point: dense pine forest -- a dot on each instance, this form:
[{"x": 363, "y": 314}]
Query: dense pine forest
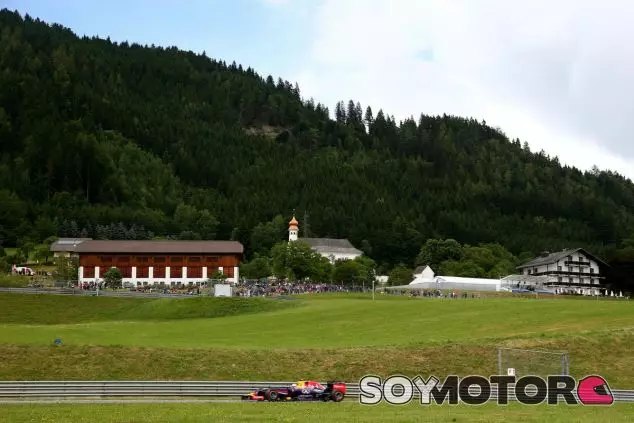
[{"x": 121, "y": 141}]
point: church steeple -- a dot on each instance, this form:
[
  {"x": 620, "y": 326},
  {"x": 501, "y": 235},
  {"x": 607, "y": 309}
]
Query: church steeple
[{"x": 293, "y": 229}]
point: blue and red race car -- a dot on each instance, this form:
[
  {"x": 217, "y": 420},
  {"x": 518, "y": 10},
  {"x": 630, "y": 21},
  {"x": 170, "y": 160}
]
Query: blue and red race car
[{"x": 301, "y": 391}]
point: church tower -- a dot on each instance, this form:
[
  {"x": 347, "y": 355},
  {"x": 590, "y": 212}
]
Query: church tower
[{"x": 293, "y": 230}]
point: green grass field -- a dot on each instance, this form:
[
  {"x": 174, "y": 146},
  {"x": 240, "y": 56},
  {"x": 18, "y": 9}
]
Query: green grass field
[
  {"x": 314, "y": 336},
  {"x": 282, "y": 324},
  {"x": 343, "y": 412}
]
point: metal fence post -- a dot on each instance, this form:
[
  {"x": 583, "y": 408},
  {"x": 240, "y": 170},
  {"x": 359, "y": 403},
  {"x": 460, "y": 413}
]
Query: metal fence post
[{"x": 500, "y": 361}]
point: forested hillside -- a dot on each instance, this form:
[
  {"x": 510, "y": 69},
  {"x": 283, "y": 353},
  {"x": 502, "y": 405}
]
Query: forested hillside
[{"x": 127, "y": 141}]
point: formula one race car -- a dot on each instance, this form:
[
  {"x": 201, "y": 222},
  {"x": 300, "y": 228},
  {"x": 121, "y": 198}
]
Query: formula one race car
[{"x": 301, "y": 391}]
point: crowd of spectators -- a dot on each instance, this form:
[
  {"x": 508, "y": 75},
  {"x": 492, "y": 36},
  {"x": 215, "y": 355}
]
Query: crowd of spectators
[{"x": 267, "y": 288}]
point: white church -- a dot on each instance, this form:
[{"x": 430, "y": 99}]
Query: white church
[{"x": 331, "y": 248}]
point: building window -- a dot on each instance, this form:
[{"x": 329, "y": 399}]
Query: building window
[
  {"x": 124, "y": 259},
  {"x": 176, "y": 259},
  {"x": 89, "y": 272},
  {"x": 106, "y": 259},
  {"x": 212, "y": 259},
  {"x": 559, "y": 268},
  {"x": 592, "y": 270},
  {"x": 570, "y": 280},
  {"x": 126, "y": 271},
  {"x": 559, "y": 279},
  {"x": 195, "y": 272},
  {"x": 159, "y": 259},
  {"x": 143, "y": 259},
  {"x": 143, "y": 272},
  {"x": 194, "y": 260},
  {"x": 158, "y": 272},
  {"x": 176, "y": 272}
]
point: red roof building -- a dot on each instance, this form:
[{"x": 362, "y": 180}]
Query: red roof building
[{"x": 153, "y": 262}]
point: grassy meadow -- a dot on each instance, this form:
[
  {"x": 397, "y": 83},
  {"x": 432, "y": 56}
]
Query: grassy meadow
[
  {"x": 345, "y": 411},
  {"x": 321, "y": 336},
  {"x": 274, "y": 324}
]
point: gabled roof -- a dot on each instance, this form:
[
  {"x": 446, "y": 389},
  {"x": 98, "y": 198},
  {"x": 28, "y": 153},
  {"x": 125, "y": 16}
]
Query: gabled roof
[
  {"x": 160, "y": 247},
  {"x": 420, "y": 269},
  {"x": 331, "y": 245},
  {"x": 555, "y": 257},
  {"x": 67, "y": 244}
]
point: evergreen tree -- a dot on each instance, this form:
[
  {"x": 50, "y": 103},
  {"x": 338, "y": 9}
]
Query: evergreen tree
[{"x": 219, "y": 151}]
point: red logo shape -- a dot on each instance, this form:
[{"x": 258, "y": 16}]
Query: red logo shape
[{"x": 594, "y": 390}]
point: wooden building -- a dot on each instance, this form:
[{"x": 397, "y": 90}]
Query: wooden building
[{"x": 153, "y": 262}]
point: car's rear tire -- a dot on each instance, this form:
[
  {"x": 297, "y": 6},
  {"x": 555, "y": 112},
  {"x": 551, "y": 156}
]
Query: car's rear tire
[{"x": 337, "y": 396}]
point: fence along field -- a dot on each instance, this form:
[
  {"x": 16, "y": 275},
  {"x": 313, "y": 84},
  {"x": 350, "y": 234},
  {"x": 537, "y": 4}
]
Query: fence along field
[{"x": 524, "y": 362}]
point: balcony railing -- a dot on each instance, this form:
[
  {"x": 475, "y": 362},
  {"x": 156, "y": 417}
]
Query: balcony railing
[
  {"x": 576, "y": 263},
  {"x": 579, "y": 284},
  {"x": 568, "y": 274}
]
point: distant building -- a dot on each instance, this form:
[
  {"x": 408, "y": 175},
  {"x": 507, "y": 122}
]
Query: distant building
[
  {"x": 573, "y": 270},
  {"x": 66, "y": 247},
  {"x": 331, "y": 248},
  {"x": 382, "y": 279},
  {"x": 151, "y": 262}
]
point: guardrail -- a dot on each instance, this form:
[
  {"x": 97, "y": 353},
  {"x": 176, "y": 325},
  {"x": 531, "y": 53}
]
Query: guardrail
[{"x": 85, "y": 389}]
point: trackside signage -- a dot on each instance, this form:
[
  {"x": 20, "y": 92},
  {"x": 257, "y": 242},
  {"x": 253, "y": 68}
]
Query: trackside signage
[{"x": 478, "y": 390}]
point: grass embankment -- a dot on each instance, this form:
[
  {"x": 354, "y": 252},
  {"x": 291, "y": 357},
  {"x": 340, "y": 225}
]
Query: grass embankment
[
  {"x": 14, "y": 281},
  {"x": 349, "y": 412},
  {"x": 277, "y": 324},
  {"x": 315, "y": 336},
  {"x": 50, "y": 310},
  {"x": 607, "y": 354}
]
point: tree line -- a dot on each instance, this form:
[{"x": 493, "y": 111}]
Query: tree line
[
  {"x": 140, "y": 142},
  {"x": 297, "y": 261}
]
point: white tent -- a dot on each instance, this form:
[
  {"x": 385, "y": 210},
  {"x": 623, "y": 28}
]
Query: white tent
[{"x": 452, "y": 282}]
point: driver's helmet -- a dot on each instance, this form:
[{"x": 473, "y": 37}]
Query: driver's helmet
[
  {"x": 299, "y": 384},
  {"x": 314, "y": 384}
]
